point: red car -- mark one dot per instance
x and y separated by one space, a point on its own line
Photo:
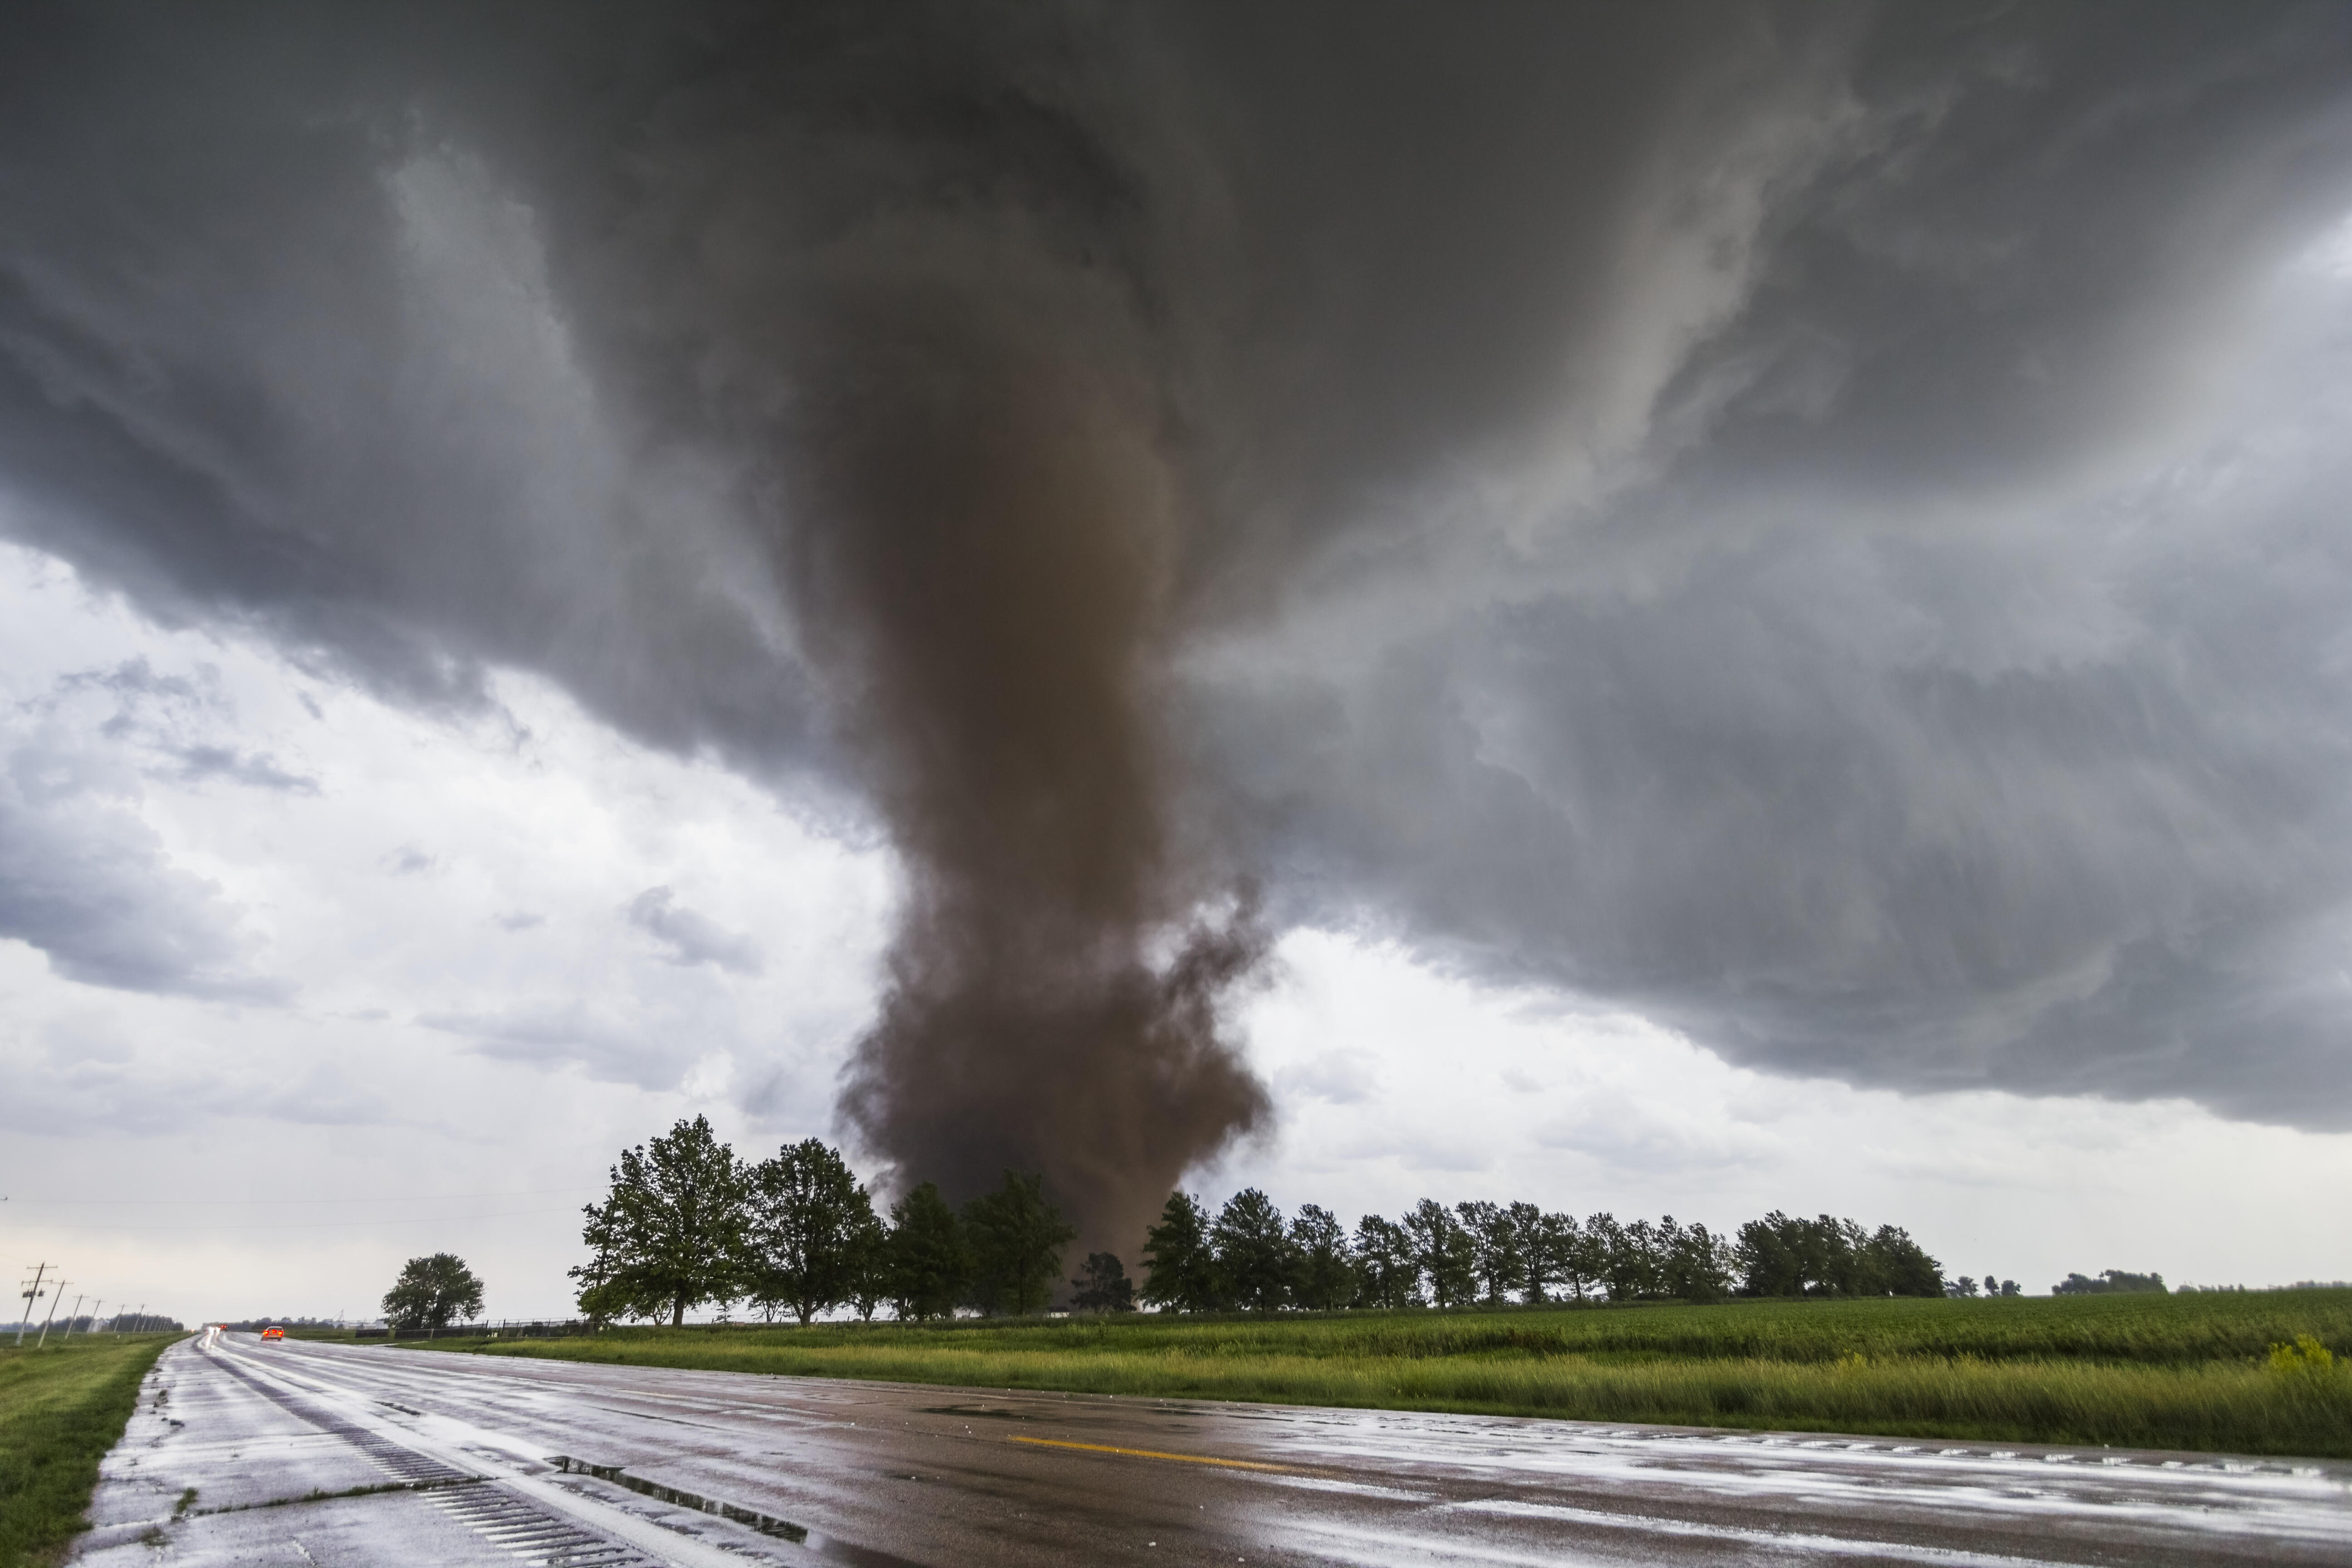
272 1332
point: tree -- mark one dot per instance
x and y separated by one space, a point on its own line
1640 1259
1385 1263
2112 1281
870 1263
1183 1271
1016 1239
1778 1256
1495 1247
1898 1266
806 1223
1327 1271
669 1234
432 1293
1608 1255
1103 1285
1552 1248
1254 1259
930 1262
1695 1264
1444 1253
1771 1255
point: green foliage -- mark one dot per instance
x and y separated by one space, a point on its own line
1016 1239
1182 1269
930 1264
1694 1264
1443 1252
433 1292
2110 1281
872 1278
61 1408
1778 1256
1327 1274
2186 1372
1385 1263
807 1234
1493 1233
1102 1286
1254 1259
669 1234
1557 1261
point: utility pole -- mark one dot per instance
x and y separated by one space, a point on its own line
32 1294
69 1319
97 1310
54 1291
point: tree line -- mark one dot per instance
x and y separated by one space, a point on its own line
688 1224
1249 1257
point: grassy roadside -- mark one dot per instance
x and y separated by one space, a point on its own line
61 1408
2179 1372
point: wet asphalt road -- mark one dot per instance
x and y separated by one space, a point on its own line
461 1460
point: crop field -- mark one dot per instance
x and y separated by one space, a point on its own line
61 1408
2157 1372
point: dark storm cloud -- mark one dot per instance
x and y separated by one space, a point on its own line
89 883
1738 512
692 938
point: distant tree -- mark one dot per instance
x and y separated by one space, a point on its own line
870 1273
1851 1269
669 1234
806 1221
1254 1259
2112 1281
2008 1288
1102 1286
930 1264
1497 1255
1768 1254
1526 1221
1962 1285
1389 1273
1552 1251
1016 1239
1898 1266
1616 1257
1778 1256
1641 1260
1443 1252
1183 1270
1327 1272
432 1293
1694 1264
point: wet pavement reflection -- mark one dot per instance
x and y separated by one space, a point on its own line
495 1459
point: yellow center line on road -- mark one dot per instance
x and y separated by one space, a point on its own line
1153 1453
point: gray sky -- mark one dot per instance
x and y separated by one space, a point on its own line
1758 594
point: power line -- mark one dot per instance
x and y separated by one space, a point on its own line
32 1293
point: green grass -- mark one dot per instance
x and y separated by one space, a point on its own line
61 1408
2162 1371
